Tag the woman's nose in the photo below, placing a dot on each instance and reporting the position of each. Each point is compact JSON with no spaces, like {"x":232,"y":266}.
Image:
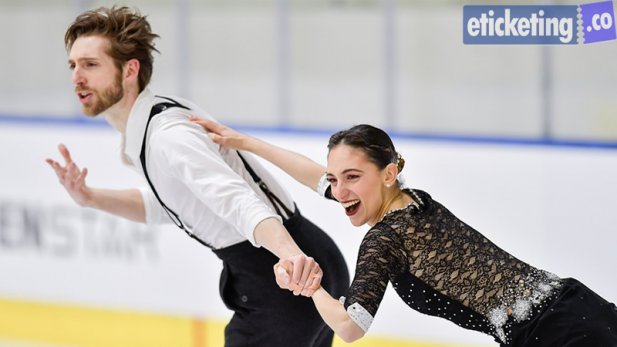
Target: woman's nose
{"x":340,"y":192}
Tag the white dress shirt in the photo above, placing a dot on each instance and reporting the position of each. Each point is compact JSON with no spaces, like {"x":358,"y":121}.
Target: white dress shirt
{"x":207,"y":186}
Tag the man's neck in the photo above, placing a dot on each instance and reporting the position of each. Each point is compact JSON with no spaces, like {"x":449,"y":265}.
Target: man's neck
{"x":118,"y":115}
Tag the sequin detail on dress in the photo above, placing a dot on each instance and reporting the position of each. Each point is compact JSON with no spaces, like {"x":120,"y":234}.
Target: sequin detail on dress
{"x":519,"y":301}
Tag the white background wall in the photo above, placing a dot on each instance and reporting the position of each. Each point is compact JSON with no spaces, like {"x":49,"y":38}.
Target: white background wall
{"x":226,"y":55}
{"x":550,"y":206}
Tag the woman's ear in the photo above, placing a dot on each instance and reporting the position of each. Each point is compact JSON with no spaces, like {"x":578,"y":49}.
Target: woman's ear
{"x":390,"y":174}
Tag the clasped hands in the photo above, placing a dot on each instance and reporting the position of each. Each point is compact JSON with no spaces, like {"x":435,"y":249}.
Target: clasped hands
{"x":300,"y":274}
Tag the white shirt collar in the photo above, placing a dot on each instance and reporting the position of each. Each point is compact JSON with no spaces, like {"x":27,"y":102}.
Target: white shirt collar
{"x":136,"y":124}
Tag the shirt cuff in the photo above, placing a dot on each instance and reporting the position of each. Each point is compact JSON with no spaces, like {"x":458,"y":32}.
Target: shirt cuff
{"x":258,"y":219}
{"x":154,"y":213}
{"x":360,"y":316}
{"x":323,"y":185}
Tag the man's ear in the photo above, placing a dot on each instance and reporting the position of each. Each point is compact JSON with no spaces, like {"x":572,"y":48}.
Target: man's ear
{"x":131,"y":70}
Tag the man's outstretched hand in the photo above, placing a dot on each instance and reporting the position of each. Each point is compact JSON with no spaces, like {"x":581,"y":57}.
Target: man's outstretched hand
{"x":71,"y":177}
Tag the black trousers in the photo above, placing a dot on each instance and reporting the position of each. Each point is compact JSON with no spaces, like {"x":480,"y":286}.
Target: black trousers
{"x":578,"y":317}
{"x":264,"y":314}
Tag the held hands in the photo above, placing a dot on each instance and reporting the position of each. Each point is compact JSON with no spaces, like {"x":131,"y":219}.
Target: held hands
{"x":222,"y":135}
{"x":300,"y":274}
{"x":73,"y":179}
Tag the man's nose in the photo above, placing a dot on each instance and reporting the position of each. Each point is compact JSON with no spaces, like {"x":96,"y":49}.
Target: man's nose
{"x":77,"y":77}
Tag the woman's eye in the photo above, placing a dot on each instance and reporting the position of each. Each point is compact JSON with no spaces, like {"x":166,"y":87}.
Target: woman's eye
{"x":352,"y":177}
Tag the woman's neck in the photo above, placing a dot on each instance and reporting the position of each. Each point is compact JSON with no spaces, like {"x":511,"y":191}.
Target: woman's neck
{"x":397,"y":200}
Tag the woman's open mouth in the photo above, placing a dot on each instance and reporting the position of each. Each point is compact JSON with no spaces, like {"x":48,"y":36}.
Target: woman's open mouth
{"x":351,"y":207}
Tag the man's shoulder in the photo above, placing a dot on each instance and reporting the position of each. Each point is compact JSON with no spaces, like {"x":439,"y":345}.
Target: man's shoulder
{"x":173,"y":131}
{"x":177,"y":104}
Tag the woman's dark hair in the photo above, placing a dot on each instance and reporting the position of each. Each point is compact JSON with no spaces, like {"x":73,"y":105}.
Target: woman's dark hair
{"x":373,"y":141}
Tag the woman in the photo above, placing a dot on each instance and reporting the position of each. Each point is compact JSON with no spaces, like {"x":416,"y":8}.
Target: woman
{"x":437,"y":264}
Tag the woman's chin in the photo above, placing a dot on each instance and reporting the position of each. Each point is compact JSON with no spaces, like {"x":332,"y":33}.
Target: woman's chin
{"x":356,"y":222}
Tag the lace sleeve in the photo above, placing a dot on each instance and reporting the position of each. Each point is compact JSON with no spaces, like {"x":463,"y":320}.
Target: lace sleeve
{"x":380,"y":258}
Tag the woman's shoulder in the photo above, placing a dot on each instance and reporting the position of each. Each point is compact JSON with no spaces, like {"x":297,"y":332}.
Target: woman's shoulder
{"x":419,"y":194}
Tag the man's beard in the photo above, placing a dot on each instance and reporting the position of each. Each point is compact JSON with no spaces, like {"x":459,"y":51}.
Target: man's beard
{"x":106,"y":98}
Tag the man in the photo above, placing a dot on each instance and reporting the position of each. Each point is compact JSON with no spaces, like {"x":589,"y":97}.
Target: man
{"x":223,"y":199}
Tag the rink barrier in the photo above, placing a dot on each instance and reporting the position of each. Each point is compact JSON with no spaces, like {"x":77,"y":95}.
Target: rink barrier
{"x":29,"y":323}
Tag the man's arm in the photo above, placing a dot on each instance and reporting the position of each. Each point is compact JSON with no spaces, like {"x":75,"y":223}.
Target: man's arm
{"x":126,"y":203}
{"x":272,"y":235}
{"x":298,"y":166}
{"x":192,"y":158}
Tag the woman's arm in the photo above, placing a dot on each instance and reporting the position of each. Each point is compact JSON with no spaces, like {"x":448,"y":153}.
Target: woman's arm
{"x":379,"y":257}
{"x":298,"y":166}
{"x":334,"y":314}
{"x":331,"y":310}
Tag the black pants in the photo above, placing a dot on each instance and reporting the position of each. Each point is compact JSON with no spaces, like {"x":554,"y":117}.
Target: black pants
{"x":264,"y":314}
{"x":578,"y":317}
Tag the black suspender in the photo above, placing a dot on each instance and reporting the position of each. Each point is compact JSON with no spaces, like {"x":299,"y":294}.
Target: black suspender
{"x":156,"y":109}
{"x":276,"y":202}
{"x":160,"y":107}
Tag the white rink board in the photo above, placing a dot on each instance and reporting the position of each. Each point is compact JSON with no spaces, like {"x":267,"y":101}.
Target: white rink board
{"x":550,"y":206}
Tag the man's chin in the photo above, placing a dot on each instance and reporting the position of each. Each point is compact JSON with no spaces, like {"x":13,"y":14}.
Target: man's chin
{"x":90,"y":112}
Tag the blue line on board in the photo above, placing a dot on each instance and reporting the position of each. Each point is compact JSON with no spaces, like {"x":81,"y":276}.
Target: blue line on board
{"x":79,"y":120}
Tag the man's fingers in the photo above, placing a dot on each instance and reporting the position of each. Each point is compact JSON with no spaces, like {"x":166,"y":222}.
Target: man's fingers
{"x":298,"y":268}
{"x":309,"y":264}
{"x":59,"y":170}
{"x":73,"y":175}
{"x":286,"y":264}
{"x":65,"y":153}
{"x":281,"y":274}
{"x":81,"y":179}
{"x":314,"y":281}
{"x":78,"y":178}
{"x":73,"y":170}
{"x":52,"y":163}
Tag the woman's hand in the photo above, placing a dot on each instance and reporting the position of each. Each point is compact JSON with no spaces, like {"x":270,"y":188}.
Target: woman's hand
{"x":304,"y":283}
{"x":223,"y":135}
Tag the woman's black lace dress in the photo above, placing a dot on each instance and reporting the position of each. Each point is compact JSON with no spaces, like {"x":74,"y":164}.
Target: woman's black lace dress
{"x":442,"y":267}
